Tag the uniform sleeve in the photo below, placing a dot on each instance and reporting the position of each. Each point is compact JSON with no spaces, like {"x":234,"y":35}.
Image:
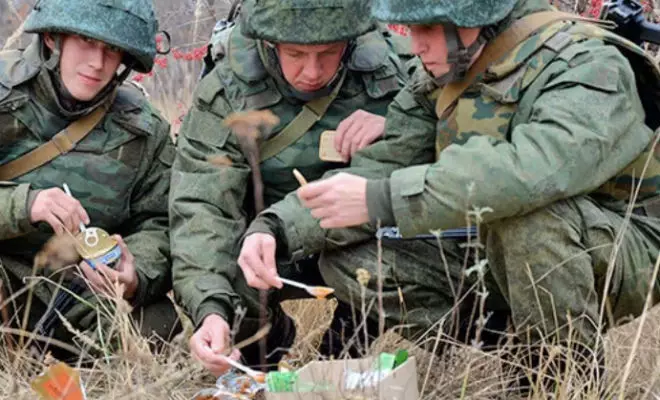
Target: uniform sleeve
{"x":146,"y":231}
{"x":409,"y":139}
{"x":585,"y":125}
{"x":14,"y":217}
{"x":206,"y":211}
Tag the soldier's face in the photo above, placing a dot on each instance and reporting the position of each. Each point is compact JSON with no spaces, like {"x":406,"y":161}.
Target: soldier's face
{"x":310,"y":67}
{"x":86,"y":65}
{"x":429,"y":43}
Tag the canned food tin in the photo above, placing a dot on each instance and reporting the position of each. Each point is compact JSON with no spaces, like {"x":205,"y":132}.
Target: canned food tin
{"x":97,"y":246}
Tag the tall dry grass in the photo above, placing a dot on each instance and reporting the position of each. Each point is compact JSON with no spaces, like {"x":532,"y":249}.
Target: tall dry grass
{"x":130,"y":370}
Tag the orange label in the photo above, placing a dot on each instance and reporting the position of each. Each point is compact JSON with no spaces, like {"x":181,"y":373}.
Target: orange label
{"x":59,"y":382}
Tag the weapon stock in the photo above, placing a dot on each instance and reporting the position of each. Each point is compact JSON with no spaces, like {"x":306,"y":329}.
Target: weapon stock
{"x":631,"y":22}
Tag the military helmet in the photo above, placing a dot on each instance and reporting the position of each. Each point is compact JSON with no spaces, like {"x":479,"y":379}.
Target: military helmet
{"x":130,"y":25}
{"x":306,"y":21}
{"x":461,"y":13}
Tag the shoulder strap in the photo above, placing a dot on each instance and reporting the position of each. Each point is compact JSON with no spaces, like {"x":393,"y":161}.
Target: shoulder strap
{"x":63,"y":142}
{"x":311,"y":112}
{"x":505,"y":42}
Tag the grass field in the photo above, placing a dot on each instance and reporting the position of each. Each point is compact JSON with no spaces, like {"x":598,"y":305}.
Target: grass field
{"x":134,"y":372}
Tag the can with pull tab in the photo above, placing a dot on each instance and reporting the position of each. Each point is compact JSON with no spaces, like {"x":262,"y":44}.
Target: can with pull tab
{"x":97,"y":246}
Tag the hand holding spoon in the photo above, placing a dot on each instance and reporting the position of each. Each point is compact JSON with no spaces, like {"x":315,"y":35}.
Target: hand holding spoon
{"x":320,"y":292}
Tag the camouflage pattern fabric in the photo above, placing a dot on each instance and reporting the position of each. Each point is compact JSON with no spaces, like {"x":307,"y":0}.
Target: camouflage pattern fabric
{"x":210,"y":206}
{"x":466,"y":13}
{"x":402,"y":46}
{"x":120,"y":173}
{"x":130,"y":25}
{"x":304,"y":21}
{"x":552,"y":265}
{"x":540,"y":141}
{"x":553,"y":292}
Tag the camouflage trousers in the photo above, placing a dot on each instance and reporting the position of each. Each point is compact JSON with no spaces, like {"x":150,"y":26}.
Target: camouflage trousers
{"x":544,"y":273}
{"x":88,"y":313}
{"x":548,"y":270}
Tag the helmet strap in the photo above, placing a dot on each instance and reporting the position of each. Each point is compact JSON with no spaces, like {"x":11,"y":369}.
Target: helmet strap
{"x":54,"y":54}
{"x":459,"y":57}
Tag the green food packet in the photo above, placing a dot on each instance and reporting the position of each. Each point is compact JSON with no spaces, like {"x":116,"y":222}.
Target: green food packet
{"x":385,"y":362}
{"x":281,"y":381}
{"x":400,"y":358}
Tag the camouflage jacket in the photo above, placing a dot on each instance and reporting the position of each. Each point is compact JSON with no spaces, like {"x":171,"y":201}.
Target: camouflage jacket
{"x":210,"y":206}
{"x":120,"y":172}
{"x":559,"y":116}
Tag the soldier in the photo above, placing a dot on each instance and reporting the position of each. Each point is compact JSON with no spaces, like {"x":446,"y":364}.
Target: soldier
{"x":292,"y":58}
{"x":68,"y":82}
{"x":549,"y":143}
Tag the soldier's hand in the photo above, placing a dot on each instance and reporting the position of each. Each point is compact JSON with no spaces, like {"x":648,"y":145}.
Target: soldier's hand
{"x":211,"y":341}
{"x":106,"y":280}
{"x":257,"y":261}
{"x":358,"y":131}
{"x":339,"y":201}
{"x":59,"y":210}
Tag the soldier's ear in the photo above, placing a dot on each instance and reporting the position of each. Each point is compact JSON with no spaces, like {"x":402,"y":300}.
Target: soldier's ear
{"x":49,"y":40}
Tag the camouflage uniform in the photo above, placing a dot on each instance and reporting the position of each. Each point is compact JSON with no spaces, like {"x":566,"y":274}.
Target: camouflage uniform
{"x":210,"y":205}
{"x":552,"y":139}
{"x":119,"y":172}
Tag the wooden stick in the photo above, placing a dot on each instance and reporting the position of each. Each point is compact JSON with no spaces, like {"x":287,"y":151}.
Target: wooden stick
{"x":250,"y":127}
{"x":301,"y":179}
{"x":9,"y":341}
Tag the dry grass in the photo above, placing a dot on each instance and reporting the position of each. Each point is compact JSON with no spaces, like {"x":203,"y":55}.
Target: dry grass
{"x":134,"y":372}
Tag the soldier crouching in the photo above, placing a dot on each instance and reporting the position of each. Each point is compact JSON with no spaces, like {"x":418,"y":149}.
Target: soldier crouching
{"x":66,"y":117}
{"x":550,"y":142}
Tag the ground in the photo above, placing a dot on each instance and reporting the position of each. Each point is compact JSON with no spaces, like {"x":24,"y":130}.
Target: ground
{"x":633,"y":350}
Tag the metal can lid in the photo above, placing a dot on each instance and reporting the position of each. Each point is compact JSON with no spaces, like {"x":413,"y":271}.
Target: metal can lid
{"x":94,"y":243}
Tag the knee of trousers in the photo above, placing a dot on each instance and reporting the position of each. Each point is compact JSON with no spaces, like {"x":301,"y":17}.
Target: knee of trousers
{"x":413,"y":272}
{"x":513,"y":242}
{"x":538,"y":221}
{"x":339,"y":268}
{"x":540,"y":265}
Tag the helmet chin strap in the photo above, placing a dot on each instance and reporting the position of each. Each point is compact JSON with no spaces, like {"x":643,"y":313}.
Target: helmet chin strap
{"x":53,"y":61}
{"x":459,"y":57}
{"x":271,"y":60}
